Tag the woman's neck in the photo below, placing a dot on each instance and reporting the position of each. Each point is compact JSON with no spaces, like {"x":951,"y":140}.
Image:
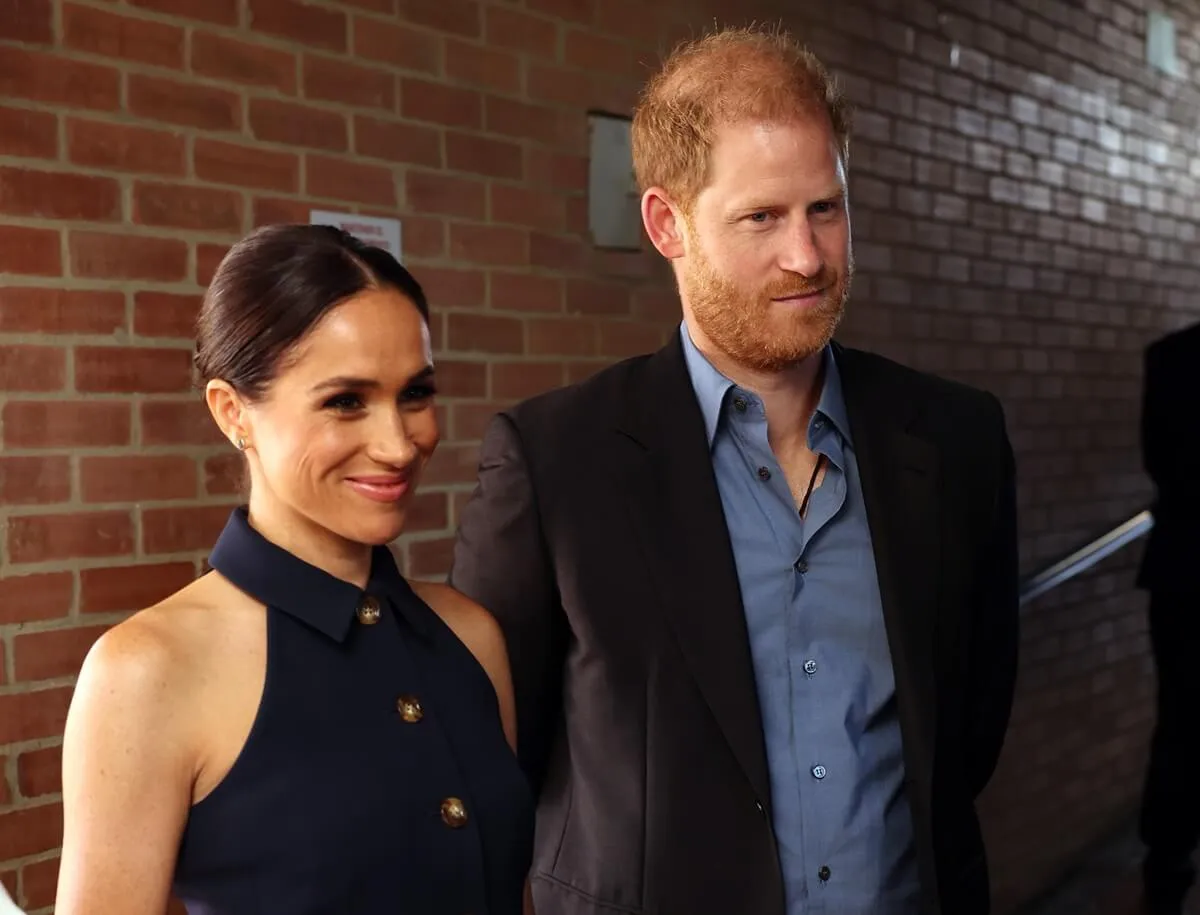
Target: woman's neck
{"x":318,"y":546}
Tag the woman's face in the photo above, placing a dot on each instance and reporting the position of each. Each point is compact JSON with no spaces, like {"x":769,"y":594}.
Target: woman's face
{"x":340,"y":439}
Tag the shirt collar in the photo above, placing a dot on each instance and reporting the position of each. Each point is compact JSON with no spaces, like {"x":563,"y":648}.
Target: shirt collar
{"x":711,"y":387}
{"x":279,"y":579}
{"x":832,"y":404}
{"x":709,"y":384}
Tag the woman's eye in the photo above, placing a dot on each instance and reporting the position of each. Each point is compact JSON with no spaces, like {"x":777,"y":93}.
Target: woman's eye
{"x":344,"y":402}
{"x":418,"y":392}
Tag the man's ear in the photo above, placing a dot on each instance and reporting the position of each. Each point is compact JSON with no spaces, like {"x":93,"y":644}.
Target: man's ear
{"x":664,"y":223}
{"x":229,"y":412}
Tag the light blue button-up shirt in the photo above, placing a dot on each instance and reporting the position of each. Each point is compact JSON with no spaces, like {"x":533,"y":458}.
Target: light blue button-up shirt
{"x":821,"y":659}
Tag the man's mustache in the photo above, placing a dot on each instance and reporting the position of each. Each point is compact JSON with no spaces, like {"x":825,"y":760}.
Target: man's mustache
{"x":788,"y":287}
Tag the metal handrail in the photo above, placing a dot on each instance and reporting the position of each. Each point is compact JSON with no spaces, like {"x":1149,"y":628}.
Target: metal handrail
{"x":1086,"y":556}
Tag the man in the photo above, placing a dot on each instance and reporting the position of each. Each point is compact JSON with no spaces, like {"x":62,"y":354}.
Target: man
{"x":1170,"y":822}
{"x":759,"y":589}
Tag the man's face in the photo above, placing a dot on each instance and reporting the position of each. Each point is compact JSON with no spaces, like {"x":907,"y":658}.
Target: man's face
{"x":768,"y":261}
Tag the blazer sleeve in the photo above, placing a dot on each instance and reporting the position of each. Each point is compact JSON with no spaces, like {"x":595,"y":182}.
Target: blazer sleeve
{"x":995,"y":633}
{"x":1163,"y":456}
{"x":500,"y":560}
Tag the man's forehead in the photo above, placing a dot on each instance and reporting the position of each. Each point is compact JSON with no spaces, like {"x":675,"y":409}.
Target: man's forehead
{"x":749,"y":163}
{"x":803,"y":134}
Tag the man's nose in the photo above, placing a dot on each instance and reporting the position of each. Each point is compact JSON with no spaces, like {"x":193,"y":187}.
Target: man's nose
{"x":802,"y":256}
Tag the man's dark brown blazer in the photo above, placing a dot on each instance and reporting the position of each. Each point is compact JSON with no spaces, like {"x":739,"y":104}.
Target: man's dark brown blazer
{"x":596,"y":536}
{"x":1171,"y":454}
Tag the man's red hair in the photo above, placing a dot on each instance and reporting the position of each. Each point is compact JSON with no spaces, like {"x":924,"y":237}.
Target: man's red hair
{"x":733,"y":76}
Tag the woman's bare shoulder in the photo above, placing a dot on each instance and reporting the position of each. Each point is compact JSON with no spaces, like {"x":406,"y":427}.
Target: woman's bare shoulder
{"x":478,"y":630}
{"x":156,"y":652}
{"x":470,"y":621}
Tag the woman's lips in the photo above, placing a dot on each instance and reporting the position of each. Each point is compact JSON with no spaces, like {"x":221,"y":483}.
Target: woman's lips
{"x":380,"y":488}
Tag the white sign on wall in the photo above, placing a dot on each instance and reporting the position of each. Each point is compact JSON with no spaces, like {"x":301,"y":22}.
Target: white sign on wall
{"x":382,"y":233}
{"x":614,"y":203}
{"x":1160,"y":43}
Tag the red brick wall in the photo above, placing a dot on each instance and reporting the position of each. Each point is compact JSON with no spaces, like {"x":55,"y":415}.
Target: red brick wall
{"x":1025,"y":218}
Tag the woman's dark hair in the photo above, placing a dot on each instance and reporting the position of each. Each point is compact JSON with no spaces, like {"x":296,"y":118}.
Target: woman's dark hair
{"x":273,"y":287}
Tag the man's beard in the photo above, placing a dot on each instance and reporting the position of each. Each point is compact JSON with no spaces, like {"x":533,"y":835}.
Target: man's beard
{"x":755,"y":332}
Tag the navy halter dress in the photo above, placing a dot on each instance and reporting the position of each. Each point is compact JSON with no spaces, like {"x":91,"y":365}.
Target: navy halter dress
{"x":376,"y":779}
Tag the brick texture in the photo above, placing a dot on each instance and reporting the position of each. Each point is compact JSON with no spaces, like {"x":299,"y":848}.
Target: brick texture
{"x":1025,"y":214}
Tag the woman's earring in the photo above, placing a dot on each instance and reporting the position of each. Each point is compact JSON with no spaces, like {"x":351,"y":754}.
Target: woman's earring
{"x":240,"y":444}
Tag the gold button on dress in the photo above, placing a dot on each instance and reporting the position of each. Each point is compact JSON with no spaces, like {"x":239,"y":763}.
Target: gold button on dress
{"x":368,"y":610}
{"x":454,"y":813}
{"x":410,"y":709}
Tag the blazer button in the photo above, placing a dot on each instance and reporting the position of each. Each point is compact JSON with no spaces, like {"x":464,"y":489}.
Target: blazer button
{"x":454,"y":813}
{"x":410,"y":709}
{"x":823,"y":873}
{"x":368,"y":610}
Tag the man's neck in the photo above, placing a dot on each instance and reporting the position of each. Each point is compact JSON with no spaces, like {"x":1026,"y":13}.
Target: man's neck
{"x":789,"y":396}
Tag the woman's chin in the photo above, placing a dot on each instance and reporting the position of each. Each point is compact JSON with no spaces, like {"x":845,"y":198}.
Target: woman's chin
{"x":379,"y":535}
{"x":379,"y":530}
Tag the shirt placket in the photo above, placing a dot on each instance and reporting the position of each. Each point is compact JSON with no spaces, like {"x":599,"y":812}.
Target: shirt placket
{"x":807,"y":663}
{"x":775,"y":499}
{"x":767,"y":486}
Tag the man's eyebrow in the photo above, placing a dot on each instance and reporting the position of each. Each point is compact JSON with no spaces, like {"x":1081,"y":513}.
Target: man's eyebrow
{"x":761,"y":204}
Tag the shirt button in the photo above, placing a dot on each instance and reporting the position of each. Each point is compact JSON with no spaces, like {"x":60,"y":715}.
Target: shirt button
{"x":801,"y":566}
{"x":823,"y":873}
{"x":368,"y":610}
{"x":410,"y":709}
{"x":810,"y":667}
{"x":454,"y":813}
{"x":818,"y":771}
{"x":764,"y":474}
{"x":739,"y":404}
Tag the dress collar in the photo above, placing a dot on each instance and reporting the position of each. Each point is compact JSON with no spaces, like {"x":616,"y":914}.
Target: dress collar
{"x":279,"y":579}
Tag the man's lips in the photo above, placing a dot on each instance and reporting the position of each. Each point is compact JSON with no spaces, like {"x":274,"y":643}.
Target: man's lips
{"x":799,"y":296}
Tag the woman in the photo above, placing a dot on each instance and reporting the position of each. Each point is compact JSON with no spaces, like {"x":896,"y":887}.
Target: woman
{"x":301,"y":730}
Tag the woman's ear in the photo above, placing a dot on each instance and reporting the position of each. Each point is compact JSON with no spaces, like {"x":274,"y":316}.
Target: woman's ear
{"x":229,"y":412}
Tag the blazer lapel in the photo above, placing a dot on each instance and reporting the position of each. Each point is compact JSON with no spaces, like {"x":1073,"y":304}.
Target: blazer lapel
{"x":899,"y":471}
{"x":676,"y":510}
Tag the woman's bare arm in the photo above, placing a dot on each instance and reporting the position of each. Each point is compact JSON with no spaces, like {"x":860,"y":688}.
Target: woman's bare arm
{"x":127,"y":775}
{"x":479,"y":631}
